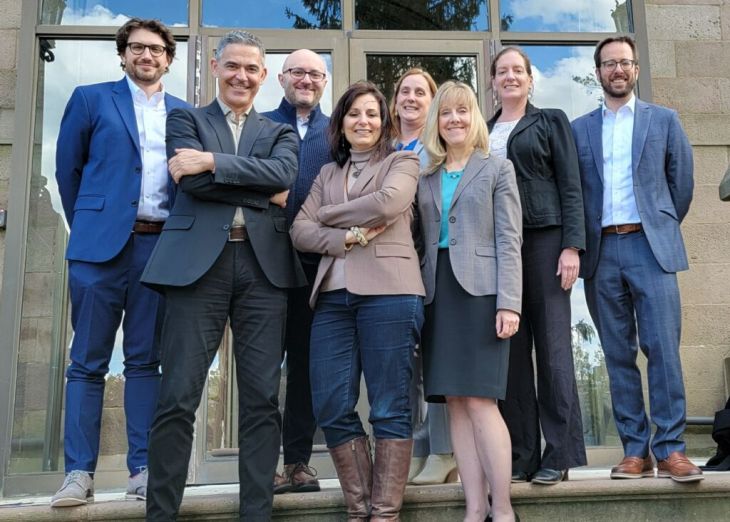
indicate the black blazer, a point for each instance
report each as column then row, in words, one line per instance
column 542, row 149
column 197, row 229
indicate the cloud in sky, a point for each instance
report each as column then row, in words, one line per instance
column 555, row 87
column 566, row 15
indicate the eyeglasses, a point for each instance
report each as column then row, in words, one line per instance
column 626, row 65
column 138, row 48
column 299, row 74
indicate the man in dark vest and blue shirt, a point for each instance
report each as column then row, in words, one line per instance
column 303, row 78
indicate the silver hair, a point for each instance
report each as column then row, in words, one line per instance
column 241, row 38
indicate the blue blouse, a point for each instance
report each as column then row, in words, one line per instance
column 449, row 182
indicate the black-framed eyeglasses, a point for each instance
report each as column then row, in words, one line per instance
column 626, row 65
column 138, row 48
column 298, row 74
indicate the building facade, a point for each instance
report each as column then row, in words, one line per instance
column 47, row 47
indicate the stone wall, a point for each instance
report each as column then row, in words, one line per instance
column 689, row 58
column 9, row 30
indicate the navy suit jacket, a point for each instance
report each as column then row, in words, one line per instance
column 662, row 168
column 197, row 229
column 99, row 169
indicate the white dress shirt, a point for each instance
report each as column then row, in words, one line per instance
column 151, row 115
column 619, row 203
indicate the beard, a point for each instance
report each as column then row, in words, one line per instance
column 145, row 76
column 614, row 92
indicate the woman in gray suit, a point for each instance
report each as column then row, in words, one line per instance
column 367, row 299
column 471, row 219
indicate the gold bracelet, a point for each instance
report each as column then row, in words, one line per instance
column 359, row 236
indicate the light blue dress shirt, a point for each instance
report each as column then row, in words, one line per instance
column 619, row 203
column 449, row 182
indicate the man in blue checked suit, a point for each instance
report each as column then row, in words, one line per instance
column 111, row 168
column 636, row 172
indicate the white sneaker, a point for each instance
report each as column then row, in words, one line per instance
column 137, row 486
column 77, row 490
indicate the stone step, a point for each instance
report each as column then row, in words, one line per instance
column 589, row 495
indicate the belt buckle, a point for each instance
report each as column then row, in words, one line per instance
column 232, row 239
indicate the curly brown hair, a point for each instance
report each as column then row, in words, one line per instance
column 154, row 26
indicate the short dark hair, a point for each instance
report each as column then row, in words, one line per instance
column 511, row 48
column 154, row 26
column 339, row 146
column 613, row 39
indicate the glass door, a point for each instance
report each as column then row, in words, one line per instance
column 215, row 451
column 382, row 61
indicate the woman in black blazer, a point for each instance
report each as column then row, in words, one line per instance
column 540, row 144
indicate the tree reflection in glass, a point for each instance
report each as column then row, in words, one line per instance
column 384, row 70
column 422, row 15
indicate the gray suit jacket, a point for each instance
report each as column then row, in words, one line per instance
column 382, row 195
column 663, row 183
column 197, row 229
column 485, row 230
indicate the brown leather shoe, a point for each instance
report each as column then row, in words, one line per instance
column 282, row 481
column 679, row 468
column 633, row 468
column 303, row 478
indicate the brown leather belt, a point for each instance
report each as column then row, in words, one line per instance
column 148, row 227
column 621, row 229
column 237, row 234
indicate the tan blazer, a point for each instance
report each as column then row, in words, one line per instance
column 485, row 230
column 383, row 194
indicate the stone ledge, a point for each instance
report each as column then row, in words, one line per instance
column 577, row 499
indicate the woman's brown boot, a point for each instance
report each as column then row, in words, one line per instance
column 390, row 474
column 355, row 471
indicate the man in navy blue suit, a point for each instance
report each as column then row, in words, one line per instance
column 636, row 172
column 111, row 168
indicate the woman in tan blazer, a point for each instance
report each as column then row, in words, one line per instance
column 367, row 300
column 471, row 222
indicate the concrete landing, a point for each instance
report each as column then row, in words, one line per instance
column 589, row 495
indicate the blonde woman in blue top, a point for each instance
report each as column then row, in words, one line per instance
column 471, row 222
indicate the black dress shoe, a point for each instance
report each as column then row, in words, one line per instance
column 519, row 476
column 549, row 477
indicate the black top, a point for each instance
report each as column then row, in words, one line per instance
column 543, row 152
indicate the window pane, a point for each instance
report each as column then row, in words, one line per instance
column 422, row 15
column 113, row 12
column 564, row 78
column 45, row 330
column 384, row 70
column 273, row 14
column 566, row 16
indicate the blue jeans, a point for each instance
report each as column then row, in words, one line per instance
column 374, row 335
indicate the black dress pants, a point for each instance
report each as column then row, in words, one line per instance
column 299, row 424
column 544, row 324
column 195, row 318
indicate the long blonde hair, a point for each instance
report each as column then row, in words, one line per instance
column 453, row 93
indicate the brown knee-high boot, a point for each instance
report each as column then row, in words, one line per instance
column 355, row 471
column 390, row 474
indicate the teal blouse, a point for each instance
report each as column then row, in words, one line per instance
column 449, row 182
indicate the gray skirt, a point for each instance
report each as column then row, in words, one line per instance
column 462, row 355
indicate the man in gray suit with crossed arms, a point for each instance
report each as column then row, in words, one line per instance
column 636, row 172
column 224, row 253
